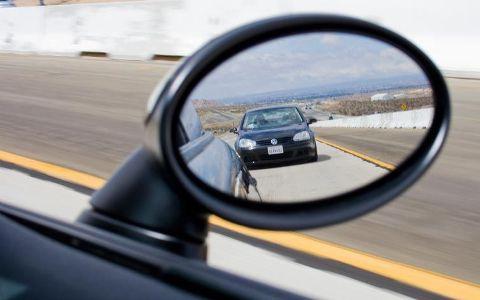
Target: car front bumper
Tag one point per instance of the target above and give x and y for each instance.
(293, 151)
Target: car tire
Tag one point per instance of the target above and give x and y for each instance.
(315, 157)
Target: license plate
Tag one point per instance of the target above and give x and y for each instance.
(275, 150)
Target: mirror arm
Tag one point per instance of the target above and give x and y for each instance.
(138, 203)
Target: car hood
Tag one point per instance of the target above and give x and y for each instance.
(273, 132)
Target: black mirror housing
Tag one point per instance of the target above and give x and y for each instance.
(160, 138)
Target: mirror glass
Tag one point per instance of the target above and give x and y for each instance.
(305, 117)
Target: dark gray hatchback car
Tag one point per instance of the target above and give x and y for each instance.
(276, 134)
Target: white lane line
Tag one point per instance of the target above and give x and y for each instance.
(58, 201)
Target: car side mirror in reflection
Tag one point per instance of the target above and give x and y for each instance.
(234, 130)
(311, 120)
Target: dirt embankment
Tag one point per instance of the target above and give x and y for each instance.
(221, 118)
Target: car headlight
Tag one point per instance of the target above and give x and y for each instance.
(246, 143)
(301, 136)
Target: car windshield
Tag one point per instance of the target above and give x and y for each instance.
(271, 118)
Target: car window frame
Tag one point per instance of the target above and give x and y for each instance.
(267, 108)
(199, 279)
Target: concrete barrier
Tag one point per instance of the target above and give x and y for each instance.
(126, 30)
(141, 29)
(418, 118)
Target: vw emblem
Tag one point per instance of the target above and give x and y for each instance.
(273, 141)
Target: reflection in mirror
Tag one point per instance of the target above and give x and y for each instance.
(305, 117)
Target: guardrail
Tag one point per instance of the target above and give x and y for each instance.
(417, 118)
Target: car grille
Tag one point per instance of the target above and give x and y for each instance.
(282, 140)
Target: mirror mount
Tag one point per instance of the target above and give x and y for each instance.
(138, 203)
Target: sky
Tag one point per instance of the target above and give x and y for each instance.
(304, 60)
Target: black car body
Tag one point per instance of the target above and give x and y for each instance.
(229, 174)
(273, 141)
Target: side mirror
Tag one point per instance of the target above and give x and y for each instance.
(334, 52)
(234, 130)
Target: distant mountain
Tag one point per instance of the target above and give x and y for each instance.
(330, 90)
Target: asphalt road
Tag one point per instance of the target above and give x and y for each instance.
(392, 146)
(335, 172)
(227, 250)
(87, 114)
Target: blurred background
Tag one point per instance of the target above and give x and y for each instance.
(75, 77)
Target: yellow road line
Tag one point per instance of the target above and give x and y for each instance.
(358, 154)
(417, 277)
(423, 279)
(62, 173)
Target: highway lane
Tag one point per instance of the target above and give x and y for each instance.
(233, 253)
(433, 224)
(63, 110)
(392, 146)
(87, 115)
(334, 172)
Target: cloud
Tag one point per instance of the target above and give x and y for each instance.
(305, 60)
(330, 39)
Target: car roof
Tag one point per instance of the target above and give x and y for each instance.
(272, 106)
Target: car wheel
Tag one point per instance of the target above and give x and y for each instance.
(315, 157)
